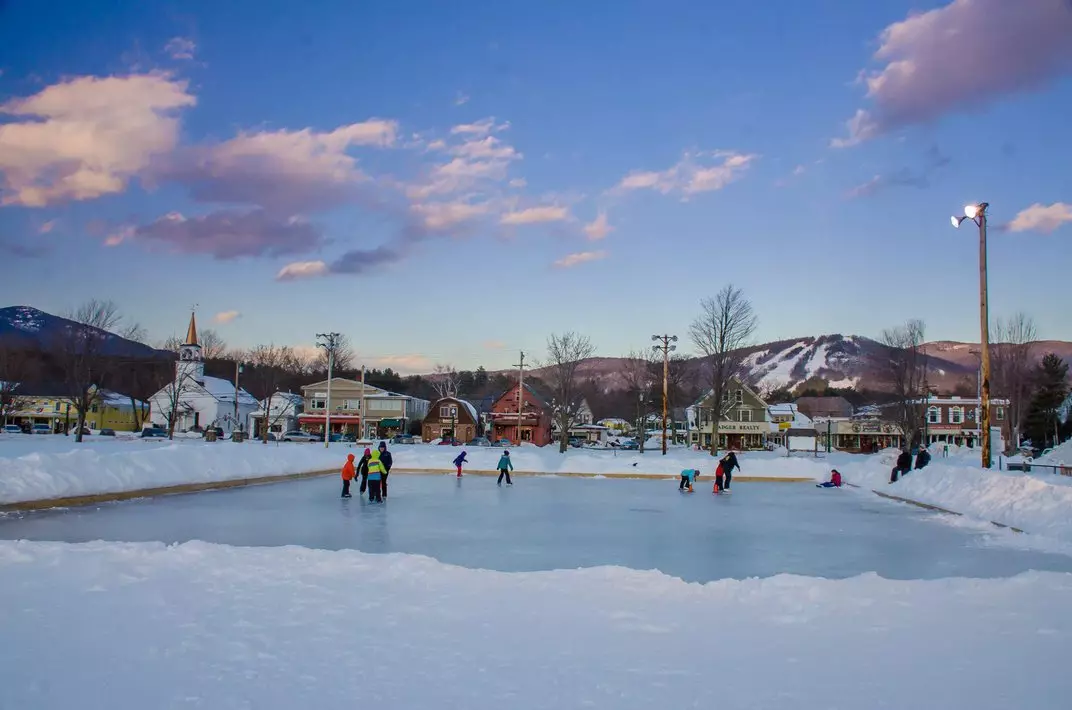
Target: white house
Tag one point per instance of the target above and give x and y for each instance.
(282, 413)
(791, 427)
(195, 400)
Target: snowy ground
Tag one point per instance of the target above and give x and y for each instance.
(132, 626)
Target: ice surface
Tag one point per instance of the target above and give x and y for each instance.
(762, 529)
(106, 626)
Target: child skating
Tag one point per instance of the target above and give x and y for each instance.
(458, 461)
(688, 475)
(719, 478)
(348, 474)
(505, 466)
(375, 478)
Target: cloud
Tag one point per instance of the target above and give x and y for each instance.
(439, 216)
(16, 250)
(694, 173)
(302, 270)
(461, 99)
(47, 227)
(123, 234)
(226, 316)
(406, 364)
(180, 48)
(799, 170)
(518, 182)
(965, 54)
(903, 177)
(288, 170)
(480, 128)
(535, 215)
(230, 235)
(598, 228)
(582, 257)
(86, 137)
(1041, 218)
(486, 148)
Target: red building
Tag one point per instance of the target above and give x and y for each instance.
(535, 420)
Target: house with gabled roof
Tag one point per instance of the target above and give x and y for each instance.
(451, 418)
(744, 424)
(521, 415)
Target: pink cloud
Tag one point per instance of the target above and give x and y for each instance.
(578, 258)
(965, 54)
(694, 173)
(598, 228)
(535, 215)
(229, 235)
(86, 137)
(226, 316)
(1041, 218)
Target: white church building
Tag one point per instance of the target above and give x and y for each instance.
(196, 401)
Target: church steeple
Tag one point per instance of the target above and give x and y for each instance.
(190, 365)
(191, 332)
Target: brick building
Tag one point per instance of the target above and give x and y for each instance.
(535, 421)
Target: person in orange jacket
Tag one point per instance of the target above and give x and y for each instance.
(348, 474)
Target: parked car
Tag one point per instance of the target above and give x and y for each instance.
(154, 433)
(404, 439)
(480, 441)
(107, 432)
(297, 435)
(41, 429)
(576, 442)
(502, 442)
(631, 445)
(12, 429)
(448, 442)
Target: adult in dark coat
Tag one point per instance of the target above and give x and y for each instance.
(904, 465)
(387, 460)
(729, 462)
(923, 457)
(362, 470)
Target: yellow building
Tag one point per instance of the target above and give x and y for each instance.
(48, 405)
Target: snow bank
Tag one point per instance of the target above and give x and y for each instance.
(1033, 503)
(130, 626)
(1060, 456)
(60, 470)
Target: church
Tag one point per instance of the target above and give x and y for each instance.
(194, 401)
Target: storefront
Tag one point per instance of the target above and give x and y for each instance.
(739, 436)
(340, 423)
(862, 436)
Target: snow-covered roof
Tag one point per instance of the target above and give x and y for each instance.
(115, 399)
(290, 397)
(225, 390)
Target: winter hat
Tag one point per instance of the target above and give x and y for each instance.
(349, 457)
(383, 446)
(368, 452)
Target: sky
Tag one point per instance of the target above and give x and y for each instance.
(453, 182)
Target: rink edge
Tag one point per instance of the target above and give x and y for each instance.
(937, 509)
(113, 496)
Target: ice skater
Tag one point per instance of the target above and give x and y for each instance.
(387, 460)
(458, 461)
(729, 462)
(505, 467)
(688, 475)
(834, 482)
(720, 478)
(347, 475)
(375, 478)
(362, 470)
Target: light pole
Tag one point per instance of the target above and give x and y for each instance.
(667, 348)
(642, 424)
(977, 214)
(330, 343)
(239, 368)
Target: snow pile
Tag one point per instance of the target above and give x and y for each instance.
(128, 466)
(1059, 456)
(1033, 503)
(124, 626)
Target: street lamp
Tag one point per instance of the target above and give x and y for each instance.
(977, 213)
(330, 343)
(667, 348)
(641, 423)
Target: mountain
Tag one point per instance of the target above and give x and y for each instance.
(29, 327)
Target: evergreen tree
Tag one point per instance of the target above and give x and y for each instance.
(1051, 389)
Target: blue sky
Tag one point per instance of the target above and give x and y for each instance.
(452, 182)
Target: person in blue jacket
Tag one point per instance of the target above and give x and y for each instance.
(505, 467)
(458, 461)
(688, 475)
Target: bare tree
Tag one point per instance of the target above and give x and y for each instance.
(721, 332)
(267, 365)
(212, 345)
(905, 370)
(17, 366)
(638, 371)
(565, 353)
(343, 359)
(1011, 368)
(445, 381)
(172, 343)
(172, 398)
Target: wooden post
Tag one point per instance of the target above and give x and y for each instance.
(984, 325)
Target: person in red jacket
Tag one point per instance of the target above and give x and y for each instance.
(834, 482)
(348, 474)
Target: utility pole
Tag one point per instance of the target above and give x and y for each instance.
(666, 347)
(362, 426)
(520, 394)
(237, 371)
(330, 343)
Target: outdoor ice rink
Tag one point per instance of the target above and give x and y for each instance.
(548, 523)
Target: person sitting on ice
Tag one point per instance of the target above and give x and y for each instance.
(688, 475)
(458, 461)
(834, 482)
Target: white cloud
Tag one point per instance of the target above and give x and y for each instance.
(579, 258)
(482, 127)
(694, 173)
(85, 137)
(226, 316)
(461, 99)
(535, 215)
(1041, 218)
(180, 48)
(486, 148)
(302, 270)
(799, 170)
(518, 182)
(598, 228)
(967, 53)
(438, 216)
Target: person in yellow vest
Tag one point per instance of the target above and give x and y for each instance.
(375, 477)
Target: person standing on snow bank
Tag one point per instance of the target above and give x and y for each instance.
(375, 478)
(834, 482)
(505, 466)
(904, 465)
(729, 462)
(347, 475)
(923, 457)
(458, 461)
(387, 460)
(362, 470)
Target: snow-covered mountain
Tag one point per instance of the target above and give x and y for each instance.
(26, 326)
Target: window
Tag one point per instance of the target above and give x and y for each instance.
(738, 396)
(56, 408)
(934, 415)
(746, 414)
(93, 409)
(999, 414)
(448, 412)
(956, 415)
(316, 404)
(354, 404)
